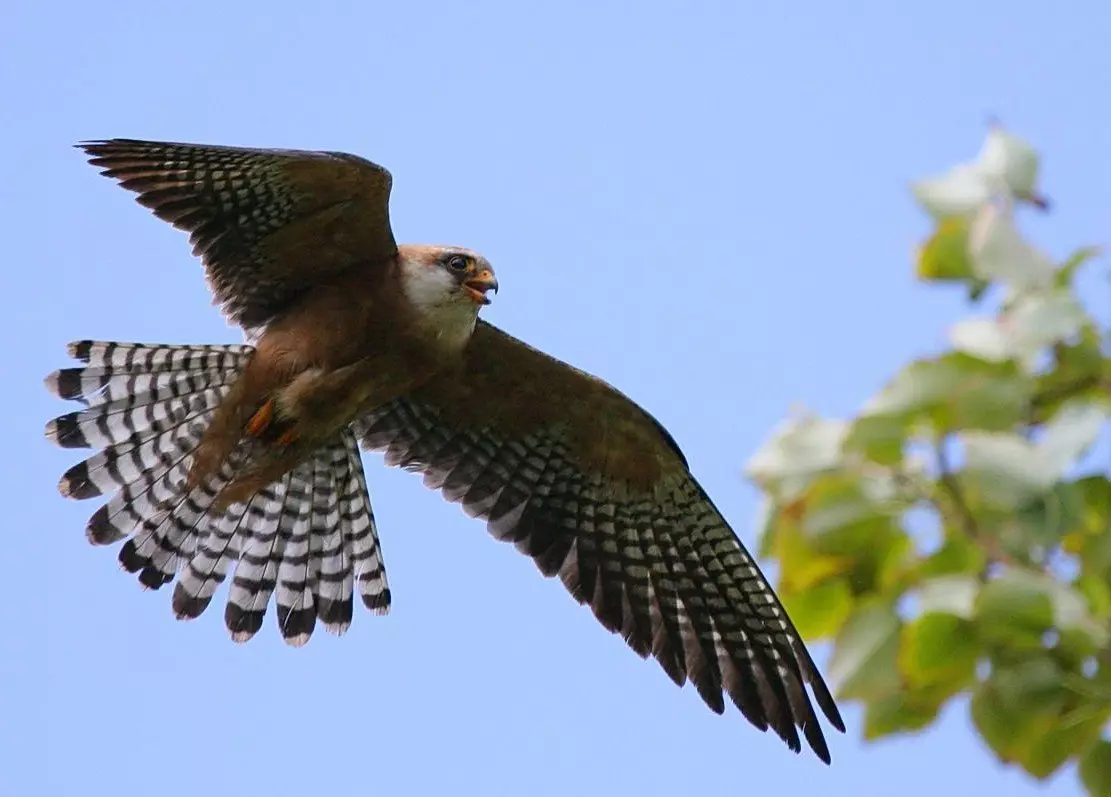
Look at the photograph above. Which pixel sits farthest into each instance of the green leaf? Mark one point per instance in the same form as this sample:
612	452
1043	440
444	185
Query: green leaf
843	514
944	256
1067	271
878	438
1015	610
939	649
954	595
1072	431
798	451
1047	752
1095	769
864	660
1017	705
800	566
955	391
959	555
1005	470
1076	372
899	713
1097	594
821	611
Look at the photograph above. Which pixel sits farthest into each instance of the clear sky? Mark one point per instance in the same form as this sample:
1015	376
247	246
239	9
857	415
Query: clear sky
706	207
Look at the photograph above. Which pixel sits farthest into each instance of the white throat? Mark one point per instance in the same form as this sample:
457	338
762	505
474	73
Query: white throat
442	310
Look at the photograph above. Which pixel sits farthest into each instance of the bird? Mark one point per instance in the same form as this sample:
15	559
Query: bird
245	459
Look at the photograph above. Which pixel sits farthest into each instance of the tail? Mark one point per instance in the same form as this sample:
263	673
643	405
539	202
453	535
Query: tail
308	537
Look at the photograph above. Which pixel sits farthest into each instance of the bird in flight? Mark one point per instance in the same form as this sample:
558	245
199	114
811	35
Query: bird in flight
246	458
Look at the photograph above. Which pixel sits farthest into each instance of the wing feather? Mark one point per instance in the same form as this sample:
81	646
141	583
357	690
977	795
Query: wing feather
595	491
268	224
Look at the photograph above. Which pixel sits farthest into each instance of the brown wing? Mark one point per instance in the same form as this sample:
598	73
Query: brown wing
596	492
267	224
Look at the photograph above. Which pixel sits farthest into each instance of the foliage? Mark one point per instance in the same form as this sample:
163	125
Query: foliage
946	540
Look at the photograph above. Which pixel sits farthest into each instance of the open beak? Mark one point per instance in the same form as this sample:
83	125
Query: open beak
479	285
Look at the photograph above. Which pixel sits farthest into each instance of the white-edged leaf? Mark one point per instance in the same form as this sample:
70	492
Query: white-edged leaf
1007	160
797	450
959	191
998	251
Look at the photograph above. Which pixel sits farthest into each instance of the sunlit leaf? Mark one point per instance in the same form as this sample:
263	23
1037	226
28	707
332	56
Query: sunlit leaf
938	648
1067	270
1008	160
959	191
1036	321
1015	609
944	256
1095	769
1005	469
1072	431
864	661
953	594
821	611
1018	705
999	253
955	391
985	338
796	452
903	712
959	555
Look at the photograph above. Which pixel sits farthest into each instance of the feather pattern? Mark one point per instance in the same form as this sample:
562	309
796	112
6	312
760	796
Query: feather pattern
661	568
250	213
309	537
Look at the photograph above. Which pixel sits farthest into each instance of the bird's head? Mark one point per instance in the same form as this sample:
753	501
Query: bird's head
437	278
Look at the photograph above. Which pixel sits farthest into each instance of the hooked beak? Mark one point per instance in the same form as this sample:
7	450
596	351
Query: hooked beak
479	285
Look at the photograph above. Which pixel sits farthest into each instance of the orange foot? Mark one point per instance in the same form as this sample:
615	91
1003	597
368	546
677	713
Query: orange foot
287	437
261	419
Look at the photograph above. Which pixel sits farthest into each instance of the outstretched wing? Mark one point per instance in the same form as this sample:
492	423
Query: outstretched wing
267	224
596	491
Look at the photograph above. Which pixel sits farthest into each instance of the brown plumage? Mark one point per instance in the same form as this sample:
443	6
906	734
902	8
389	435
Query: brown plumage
247	455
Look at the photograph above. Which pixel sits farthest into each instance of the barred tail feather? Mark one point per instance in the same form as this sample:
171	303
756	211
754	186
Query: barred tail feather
306	539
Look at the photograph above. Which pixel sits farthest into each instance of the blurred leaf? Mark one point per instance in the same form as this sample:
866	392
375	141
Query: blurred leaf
1005	158
999	253
1095	769
1097	594
944	256
1072	431
797	451
821	611
959	555
955	391
1036	321
1004	470
1015	609
985	338
802	567
1046	753
864	660
1077	370
939	648
954	595
959	191
878	438
1068	269
1017	705
899	713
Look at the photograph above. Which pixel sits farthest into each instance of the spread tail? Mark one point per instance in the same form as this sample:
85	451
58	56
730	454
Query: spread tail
307	538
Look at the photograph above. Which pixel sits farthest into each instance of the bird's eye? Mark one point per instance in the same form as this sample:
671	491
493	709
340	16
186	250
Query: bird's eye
457	263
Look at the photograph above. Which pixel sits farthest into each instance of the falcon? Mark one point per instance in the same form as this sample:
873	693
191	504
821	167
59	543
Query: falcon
245	459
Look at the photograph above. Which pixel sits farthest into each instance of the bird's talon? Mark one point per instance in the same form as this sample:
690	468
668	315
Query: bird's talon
287	437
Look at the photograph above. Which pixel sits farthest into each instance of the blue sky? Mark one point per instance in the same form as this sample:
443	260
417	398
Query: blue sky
707	208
